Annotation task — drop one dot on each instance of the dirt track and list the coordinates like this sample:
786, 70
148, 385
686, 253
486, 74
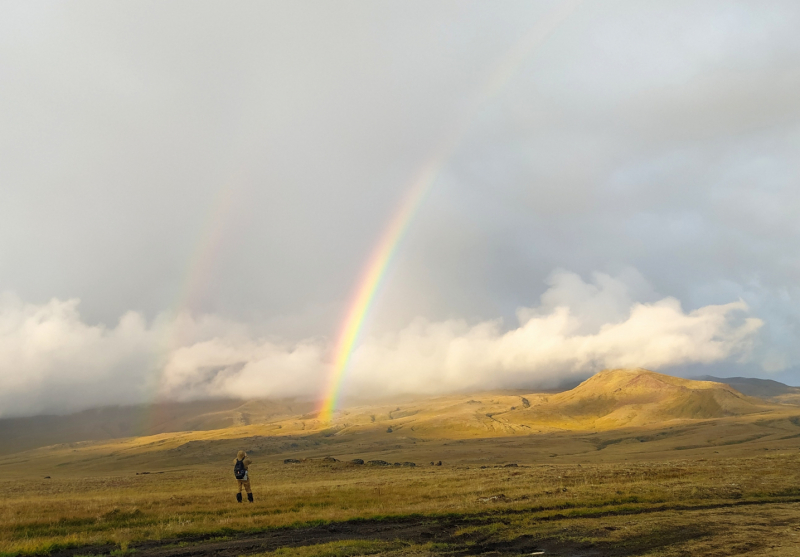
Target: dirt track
421, 530
411, 529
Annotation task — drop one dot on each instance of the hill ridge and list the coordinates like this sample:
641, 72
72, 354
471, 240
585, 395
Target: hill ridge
610, 399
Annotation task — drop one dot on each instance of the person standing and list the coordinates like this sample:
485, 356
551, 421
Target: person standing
240, 470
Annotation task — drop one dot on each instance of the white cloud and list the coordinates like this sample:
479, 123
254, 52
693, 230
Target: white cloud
53, 361
579, 328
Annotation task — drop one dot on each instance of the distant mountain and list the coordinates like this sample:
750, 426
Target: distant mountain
767, 389
112, 422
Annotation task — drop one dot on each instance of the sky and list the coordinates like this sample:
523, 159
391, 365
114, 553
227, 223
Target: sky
190, 192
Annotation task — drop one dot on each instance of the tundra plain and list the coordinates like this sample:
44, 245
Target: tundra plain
630, 462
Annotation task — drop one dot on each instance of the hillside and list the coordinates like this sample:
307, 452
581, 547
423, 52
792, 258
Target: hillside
18, 434
616, 398
609, 400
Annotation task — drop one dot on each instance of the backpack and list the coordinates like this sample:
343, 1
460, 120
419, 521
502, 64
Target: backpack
239, 470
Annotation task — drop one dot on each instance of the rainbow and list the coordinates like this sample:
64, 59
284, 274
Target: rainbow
383, 253
371, 279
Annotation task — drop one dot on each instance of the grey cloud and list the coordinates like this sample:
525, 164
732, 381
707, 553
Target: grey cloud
241, 161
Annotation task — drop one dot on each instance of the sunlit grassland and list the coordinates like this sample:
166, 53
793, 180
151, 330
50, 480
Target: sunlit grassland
39, 514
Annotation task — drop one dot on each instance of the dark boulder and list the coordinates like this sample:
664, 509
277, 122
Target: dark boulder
378, 463
291, 461
357, 461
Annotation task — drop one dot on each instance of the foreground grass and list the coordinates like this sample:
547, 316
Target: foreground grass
38, 516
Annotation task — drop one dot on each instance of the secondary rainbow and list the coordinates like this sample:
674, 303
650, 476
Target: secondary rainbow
199, 271
382, 255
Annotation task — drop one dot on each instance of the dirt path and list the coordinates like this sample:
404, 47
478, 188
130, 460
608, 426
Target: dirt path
424, 529
412, 529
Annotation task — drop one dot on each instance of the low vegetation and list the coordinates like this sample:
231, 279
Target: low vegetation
706, 471
39, 516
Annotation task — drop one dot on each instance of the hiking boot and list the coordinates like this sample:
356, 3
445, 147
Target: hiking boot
250, 497
239, 497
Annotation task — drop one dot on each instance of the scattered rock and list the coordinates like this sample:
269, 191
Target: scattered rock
377, 463
510, 465
291, 461
493, 499
439, 463
47, 477
397, 464
431, 463
409, 464
389, 429
526, 403
330, 459
357, 461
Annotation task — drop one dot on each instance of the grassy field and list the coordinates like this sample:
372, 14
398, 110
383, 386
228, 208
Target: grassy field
508, 485
40, 515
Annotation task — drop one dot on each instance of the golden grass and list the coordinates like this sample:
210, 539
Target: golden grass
36, 515
682, 477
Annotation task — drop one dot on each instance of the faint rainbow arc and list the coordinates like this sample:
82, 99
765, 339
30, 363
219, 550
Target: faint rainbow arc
199, 267
381, 257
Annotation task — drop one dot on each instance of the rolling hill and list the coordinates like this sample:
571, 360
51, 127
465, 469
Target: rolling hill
609, 401
614, 415
112, 422
616, 398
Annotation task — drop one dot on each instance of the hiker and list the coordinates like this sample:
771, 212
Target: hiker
240, 466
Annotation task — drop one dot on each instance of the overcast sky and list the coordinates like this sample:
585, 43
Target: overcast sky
190, 190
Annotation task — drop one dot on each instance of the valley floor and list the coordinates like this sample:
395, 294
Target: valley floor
591, 477
690, 506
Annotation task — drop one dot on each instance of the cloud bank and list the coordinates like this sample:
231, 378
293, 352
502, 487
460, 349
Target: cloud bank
52, 361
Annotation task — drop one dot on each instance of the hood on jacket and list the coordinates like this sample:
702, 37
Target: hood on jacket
240, 455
